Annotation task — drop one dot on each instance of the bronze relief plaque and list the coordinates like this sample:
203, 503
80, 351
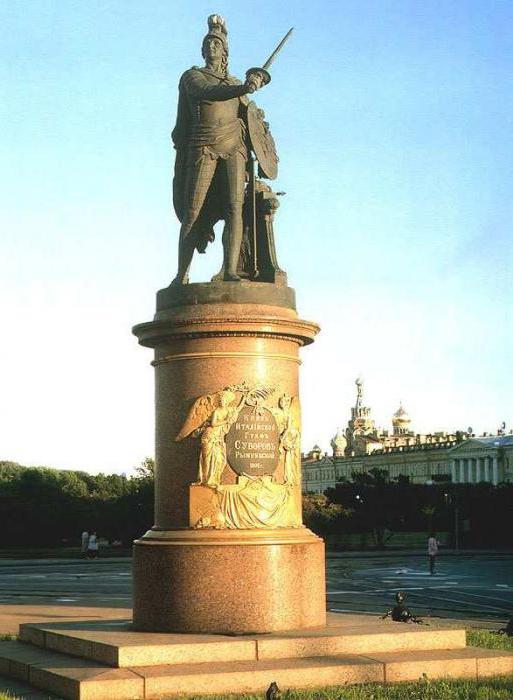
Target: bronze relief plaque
252, 443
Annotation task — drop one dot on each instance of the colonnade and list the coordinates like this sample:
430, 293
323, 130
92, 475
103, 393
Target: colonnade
472, 470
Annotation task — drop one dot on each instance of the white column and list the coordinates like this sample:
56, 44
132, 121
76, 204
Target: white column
462, 471
471, 461
495, 471
453, 471
478, 470
487, 468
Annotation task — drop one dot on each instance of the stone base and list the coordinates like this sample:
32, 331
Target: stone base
228, 582
107, 660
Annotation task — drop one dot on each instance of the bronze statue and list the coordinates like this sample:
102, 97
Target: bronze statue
508, 630
273, 692
216, 128
400, 613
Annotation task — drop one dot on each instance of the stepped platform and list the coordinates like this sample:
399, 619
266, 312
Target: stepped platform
106, 659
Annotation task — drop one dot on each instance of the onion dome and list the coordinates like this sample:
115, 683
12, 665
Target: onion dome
400, 417
339, 443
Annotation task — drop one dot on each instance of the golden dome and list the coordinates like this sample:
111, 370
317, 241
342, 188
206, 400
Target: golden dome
400, 417
338, 443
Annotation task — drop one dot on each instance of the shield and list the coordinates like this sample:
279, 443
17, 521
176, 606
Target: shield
262, 142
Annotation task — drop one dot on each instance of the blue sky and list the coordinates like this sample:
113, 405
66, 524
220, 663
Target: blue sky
393, 122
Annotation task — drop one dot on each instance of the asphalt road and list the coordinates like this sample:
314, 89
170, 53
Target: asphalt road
77, 582
465, 586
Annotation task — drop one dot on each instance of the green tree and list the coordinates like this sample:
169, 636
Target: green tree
321, 516
146, 470
429, 513
377, 508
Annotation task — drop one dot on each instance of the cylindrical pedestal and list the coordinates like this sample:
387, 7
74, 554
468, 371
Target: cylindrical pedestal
233, 582
228, 551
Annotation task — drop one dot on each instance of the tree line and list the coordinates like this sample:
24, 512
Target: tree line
45, 507
473, 515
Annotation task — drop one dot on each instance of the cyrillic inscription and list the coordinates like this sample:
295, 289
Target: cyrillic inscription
252, 442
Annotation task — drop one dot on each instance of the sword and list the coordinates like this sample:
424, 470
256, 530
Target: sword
266, 77
263, 70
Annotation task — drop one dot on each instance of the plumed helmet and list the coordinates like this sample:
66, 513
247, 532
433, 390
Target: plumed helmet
217, 29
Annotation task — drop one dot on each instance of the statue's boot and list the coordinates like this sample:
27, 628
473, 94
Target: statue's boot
180, 280
231, 277
219, 276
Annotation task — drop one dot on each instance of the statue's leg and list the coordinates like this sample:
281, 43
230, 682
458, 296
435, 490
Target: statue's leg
200, 171
185, 253
232, 236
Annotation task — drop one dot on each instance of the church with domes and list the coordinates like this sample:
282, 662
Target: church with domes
362, 437
458, 457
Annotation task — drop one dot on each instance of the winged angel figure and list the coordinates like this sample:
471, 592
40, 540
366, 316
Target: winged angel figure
211, 417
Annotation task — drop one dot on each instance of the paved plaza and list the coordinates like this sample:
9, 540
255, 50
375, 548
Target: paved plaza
466, 586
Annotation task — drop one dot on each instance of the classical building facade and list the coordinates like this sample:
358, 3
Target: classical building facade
458, 457
485, 458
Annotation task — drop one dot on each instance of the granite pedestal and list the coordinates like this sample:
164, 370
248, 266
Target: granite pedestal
192, 577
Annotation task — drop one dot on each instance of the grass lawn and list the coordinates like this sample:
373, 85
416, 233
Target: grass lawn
491, 689
489, 640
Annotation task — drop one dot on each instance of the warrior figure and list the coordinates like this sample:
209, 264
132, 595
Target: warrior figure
211, 153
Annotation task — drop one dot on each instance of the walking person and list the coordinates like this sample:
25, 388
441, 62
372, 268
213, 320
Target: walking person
92, 546
432, 552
